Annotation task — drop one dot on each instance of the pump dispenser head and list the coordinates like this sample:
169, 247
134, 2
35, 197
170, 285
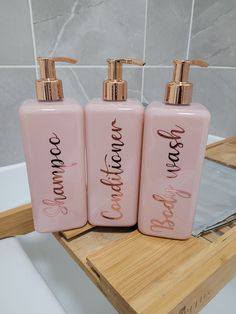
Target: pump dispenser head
115, 88
48, 87
179, 90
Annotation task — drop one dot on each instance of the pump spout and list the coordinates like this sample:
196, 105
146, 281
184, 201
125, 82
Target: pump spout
115, 88
179, 90
48, 87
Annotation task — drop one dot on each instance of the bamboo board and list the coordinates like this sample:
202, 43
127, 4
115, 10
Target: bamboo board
142, 274
16, 221
223, 152
69, 234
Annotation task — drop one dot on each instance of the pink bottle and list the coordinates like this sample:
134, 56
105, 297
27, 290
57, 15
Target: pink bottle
175, 136
53, 138
113, 140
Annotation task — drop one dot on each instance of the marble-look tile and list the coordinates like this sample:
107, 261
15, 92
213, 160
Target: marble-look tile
90, 30
155, 80
16, 85
73, 84
15, 33
214, 88
86, 83
213, 32
167, 31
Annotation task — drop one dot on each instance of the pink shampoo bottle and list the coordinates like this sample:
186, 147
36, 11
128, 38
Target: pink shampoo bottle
53, 139
113, 140
175, 137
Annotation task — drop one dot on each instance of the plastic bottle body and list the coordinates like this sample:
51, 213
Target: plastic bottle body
53, 139
174, 143
113, 138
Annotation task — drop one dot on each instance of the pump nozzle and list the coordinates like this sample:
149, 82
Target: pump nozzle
179, 90
48, 87
115, 88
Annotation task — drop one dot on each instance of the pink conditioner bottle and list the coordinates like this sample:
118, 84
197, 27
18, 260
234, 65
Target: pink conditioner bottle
175, 136
53, 138
113, 140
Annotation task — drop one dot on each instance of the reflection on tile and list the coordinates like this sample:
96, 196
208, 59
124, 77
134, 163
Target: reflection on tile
15, 33
155, 80
89, 30
73, 84
167, 30
13, 91
213, 32
86, 83
214, 88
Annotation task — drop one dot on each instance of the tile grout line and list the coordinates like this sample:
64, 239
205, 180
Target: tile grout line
17, 66
33, 37
80, 85
158, 66
219, 67
144, 49
104, 67
86, 66
190, 30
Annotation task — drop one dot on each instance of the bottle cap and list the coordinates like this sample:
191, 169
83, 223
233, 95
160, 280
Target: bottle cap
115, 88
48, 87
179, 90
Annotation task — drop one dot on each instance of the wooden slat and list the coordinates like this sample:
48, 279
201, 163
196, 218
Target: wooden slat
16, 221
153, 275
138, 262
223, 152
69, 234
92, 241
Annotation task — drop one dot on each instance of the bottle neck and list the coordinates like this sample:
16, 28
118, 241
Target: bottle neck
114, 90
49, 90
178, 93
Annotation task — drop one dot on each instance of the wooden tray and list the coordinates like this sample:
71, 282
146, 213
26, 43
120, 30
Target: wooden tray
142, 274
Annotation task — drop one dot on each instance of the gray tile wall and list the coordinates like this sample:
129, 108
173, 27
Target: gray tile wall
92, 30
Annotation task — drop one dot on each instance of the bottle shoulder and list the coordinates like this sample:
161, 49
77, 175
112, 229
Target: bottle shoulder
34, 106
160, 108
98, 104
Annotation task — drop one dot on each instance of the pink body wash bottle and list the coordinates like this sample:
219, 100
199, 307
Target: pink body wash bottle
53, 139
175, 136
113, 140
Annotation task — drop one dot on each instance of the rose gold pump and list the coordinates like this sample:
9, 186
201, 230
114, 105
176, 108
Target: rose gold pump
48, 87
179, 91
115, 88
